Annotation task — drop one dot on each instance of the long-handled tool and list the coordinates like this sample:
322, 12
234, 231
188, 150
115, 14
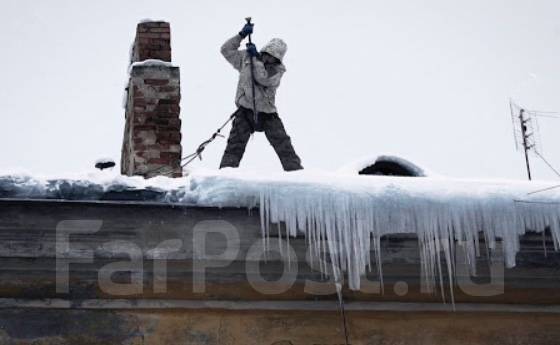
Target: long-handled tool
255, 116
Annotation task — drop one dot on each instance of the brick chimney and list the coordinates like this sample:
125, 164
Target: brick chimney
152, 134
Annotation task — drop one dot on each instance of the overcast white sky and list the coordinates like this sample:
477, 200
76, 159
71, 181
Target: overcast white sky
428, 80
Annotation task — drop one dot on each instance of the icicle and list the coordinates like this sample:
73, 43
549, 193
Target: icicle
346, 223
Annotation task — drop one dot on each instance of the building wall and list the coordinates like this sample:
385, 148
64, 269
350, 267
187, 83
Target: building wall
230, 310
220, 327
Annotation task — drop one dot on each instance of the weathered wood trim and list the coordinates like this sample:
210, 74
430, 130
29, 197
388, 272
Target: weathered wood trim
272, 305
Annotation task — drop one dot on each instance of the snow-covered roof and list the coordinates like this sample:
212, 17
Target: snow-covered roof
346, 209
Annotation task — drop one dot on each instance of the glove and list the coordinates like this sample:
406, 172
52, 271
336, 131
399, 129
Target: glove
252, 50
247, 30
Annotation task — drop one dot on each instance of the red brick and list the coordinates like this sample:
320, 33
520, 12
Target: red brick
172, 136
149, 35
157, 39
163, 108
153, 24
158, 161
175, 122
150, 114
160, 56
166, 128
162, 122
168, 114
145, 128
158, 82
165, 114
139, 101
168, 88
165, 56
161, 30
152, 101
170, 155
167, 101
157, 48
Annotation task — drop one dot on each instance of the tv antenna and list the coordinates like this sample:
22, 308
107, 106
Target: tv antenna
527, 134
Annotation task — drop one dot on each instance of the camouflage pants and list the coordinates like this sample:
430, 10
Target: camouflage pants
271, 125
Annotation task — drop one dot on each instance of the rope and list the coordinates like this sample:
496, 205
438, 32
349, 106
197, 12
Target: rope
547, 163
197, 153
547, 116
552, 168
544, 189
540, 112
536, 201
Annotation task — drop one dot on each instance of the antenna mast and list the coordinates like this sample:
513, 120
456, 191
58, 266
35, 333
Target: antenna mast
525, 139
525, 132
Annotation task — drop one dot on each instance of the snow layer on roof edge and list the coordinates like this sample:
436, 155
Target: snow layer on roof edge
348, 210
87, 186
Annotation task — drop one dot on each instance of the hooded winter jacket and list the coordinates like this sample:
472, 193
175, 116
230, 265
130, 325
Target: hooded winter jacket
267, 78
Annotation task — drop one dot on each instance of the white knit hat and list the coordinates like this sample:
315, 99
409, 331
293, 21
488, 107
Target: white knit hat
276, 47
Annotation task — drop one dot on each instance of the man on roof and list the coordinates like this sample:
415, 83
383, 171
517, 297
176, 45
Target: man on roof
267, 70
